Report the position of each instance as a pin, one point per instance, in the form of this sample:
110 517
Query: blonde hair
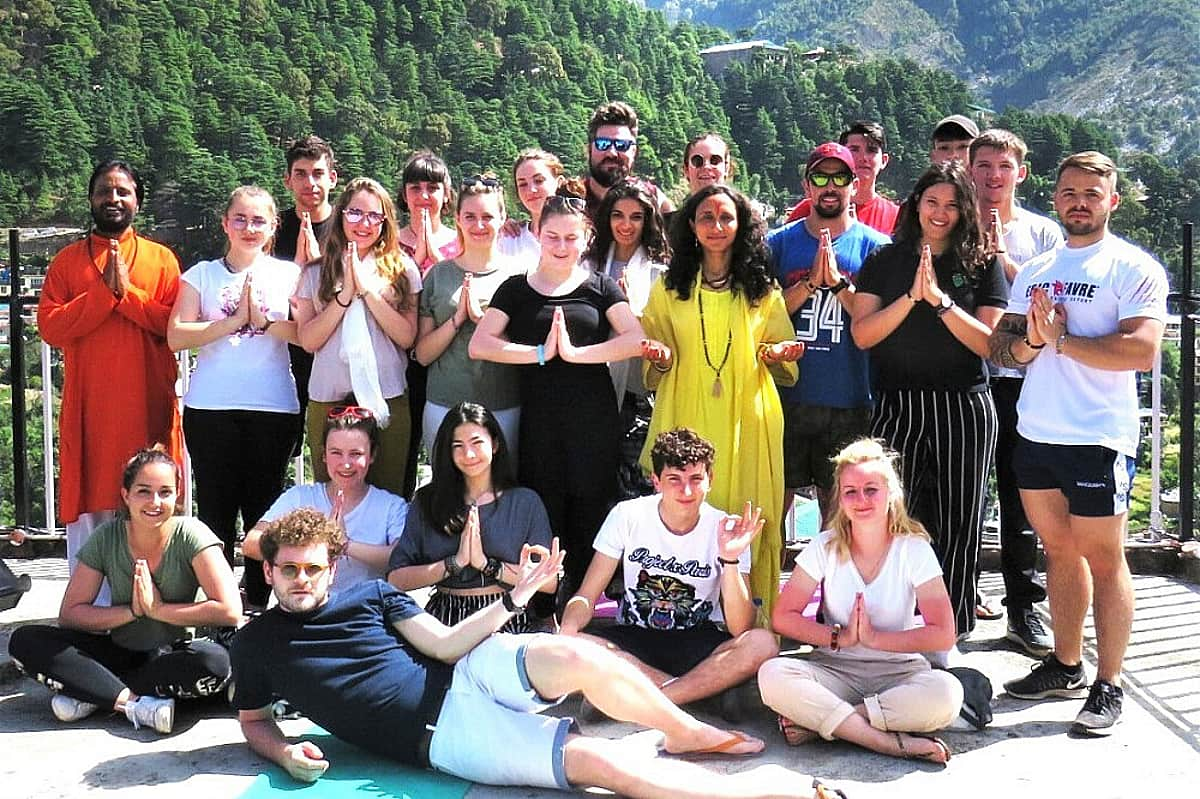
862 451
251 193
474 186
552 161
389 260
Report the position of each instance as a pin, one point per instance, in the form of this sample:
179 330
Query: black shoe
1101 711
1025 629
1049 678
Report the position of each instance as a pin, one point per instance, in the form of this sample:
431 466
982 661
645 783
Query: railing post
48 448
16 344
1189 304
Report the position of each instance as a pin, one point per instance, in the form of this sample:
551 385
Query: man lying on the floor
371 667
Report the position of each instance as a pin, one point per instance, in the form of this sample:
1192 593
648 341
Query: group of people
614 383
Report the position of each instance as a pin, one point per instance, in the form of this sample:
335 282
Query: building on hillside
718 57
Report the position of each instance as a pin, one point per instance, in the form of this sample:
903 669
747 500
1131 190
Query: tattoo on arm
1009 331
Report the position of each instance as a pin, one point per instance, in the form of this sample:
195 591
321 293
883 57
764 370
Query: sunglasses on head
839 179
292 570
353 411
697 160
604 143
356 215
480 180
571 203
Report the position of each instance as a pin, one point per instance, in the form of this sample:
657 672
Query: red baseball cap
830 149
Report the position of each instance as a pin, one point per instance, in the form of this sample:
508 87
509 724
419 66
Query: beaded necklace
716 389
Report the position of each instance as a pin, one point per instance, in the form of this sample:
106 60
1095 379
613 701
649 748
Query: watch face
946 301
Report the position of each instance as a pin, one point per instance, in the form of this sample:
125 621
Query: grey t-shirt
454 377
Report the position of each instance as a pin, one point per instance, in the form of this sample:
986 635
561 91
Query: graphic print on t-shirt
663 602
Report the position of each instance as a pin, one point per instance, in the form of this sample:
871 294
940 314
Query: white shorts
490 730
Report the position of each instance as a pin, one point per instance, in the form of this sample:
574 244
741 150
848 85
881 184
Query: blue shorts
490 730
1094 479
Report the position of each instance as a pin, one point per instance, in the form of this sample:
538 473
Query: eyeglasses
352 411
604 143
697 160
311 570
560 202
839 179
356 215
246 223
480 180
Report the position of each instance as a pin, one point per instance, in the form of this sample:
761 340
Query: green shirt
454 377
107 551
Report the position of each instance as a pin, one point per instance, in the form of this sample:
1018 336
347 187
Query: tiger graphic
663 602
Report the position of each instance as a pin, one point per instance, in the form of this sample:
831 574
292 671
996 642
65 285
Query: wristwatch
945 305
1060 343
839 287
492 569
510 604
452 567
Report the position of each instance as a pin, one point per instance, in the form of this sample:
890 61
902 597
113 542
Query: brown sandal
823 791
941 757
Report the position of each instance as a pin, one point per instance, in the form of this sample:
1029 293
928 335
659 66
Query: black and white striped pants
946 440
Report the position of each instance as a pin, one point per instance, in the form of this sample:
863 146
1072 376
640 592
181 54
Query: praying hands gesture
472 535
468 304
423 233
925 286
116 271
350 289
1045 321
824 273
308 249
145 599
241 314
257 317
858 629
562 338
535 574
736 533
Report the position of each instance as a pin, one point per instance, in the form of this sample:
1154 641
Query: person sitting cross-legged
372 668
686 619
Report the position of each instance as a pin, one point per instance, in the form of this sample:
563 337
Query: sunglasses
560 202
291 571
840 179
697 160
604 143
356 215
480 180
353 411
245 223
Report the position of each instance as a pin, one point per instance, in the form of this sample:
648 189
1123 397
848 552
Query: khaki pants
819 693
387 472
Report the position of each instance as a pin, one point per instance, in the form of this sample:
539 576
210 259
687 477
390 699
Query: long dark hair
966 238
748 268
654 238
442 499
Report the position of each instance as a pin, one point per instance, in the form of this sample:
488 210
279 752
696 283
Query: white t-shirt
524 249
377 519
672 581
1025 237
330 378
891 598
249 370
1063 401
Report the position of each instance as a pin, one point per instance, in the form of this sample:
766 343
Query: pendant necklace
716 389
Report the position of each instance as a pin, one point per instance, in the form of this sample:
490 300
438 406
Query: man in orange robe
105 303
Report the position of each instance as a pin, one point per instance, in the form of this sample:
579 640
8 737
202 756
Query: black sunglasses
480 180
603 143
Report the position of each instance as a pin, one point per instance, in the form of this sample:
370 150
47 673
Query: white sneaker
66 708
153 712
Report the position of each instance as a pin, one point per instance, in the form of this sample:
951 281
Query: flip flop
719 749
985 611
823 791
793 734
940 757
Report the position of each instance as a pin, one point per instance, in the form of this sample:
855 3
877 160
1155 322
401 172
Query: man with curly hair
371 667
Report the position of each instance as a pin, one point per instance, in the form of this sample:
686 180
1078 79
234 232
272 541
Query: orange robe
119 382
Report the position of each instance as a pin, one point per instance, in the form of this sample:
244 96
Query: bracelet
945 309
510 604
664 368
1031 345
839 287
811 288
452 567
492 569
725 562
339 302
541 354
833 637
912 299
456 324
267 326
1060 343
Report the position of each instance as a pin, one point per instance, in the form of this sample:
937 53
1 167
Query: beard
1085 227
829 212
609 172
111 224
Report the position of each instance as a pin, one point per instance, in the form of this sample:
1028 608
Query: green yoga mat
356 773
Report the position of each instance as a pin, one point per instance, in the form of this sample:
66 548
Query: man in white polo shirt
1082 319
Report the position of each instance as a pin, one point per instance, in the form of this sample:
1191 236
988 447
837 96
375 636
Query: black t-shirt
529 315
922 352
346 668
289 231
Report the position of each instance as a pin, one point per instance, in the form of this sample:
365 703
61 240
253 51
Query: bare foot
922 747
794 734
711 740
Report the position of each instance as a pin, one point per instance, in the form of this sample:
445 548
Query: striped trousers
946 440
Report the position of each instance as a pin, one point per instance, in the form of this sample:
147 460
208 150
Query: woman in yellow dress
718 334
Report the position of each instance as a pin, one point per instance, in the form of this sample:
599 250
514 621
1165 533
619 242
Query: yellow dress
745 421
